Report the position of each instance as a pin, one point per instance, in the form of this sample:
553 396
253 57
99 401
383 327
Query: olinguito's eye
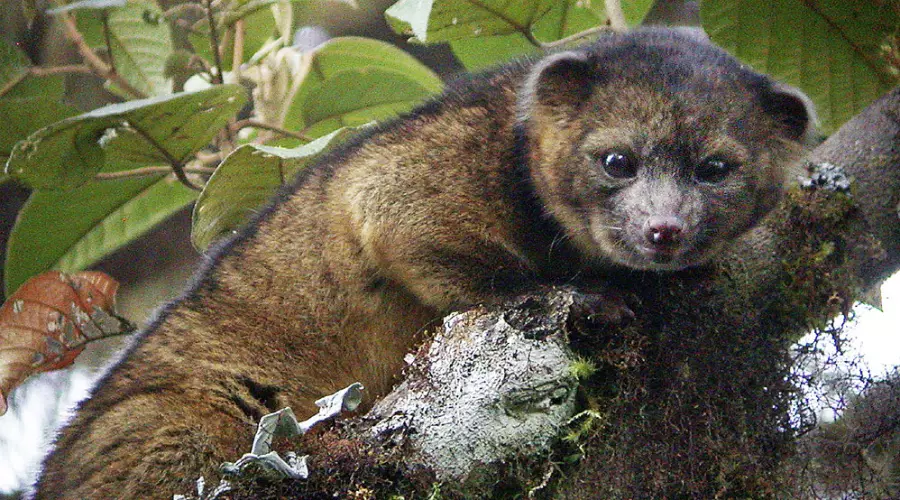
618 165
713 170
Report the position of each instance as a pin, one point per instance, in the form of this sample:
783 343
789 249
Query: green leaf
828 48
14 64
140 42
636 10
352 81
432 21
151 131
70 230
247 178
476 54
24 115
87 5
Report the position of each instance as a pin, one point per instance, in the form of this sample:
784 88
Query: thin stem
576 37
104 18
188 27
207 159
214 42
616 15
238 125
183 8
176 164
56 70
149 171
512 23
238 52
40 71
12 83
97 65
218 76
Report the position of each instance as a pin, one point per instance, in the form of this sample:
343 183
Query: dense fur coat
645 150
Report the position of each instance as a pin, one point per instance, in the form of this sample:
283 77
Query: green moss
583 426
582 368
818 234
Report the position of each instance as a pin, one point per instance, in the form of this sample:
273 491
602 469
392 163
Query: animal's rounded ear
559 80
794 110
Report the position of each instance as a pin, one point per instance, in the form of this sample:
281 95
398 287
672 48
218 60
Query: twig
237 55
214 42
576 37
40 71
56 70
615 15
208 159
238 125
508 20
238 52
104 18
12 83
148 171
93 61
183 8
175 163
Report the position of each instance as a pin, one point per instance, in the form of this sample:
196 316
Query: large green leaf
139 39
152 131
828 48
432 21
476 54
636 10
352 81
483 33
246 179
87 5
24 115
70 230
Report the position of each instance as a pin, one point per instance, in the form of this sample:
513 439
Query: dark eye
618 165
714 170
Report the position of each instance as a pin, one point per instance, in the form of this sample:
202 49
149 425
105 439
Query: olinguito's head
653 149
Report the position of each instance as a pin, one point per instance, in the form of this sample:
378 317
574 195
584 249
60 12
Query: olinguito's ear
793 109
561 80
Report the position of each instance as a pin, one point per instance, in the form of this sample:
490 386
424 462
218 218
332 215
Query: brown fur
484 193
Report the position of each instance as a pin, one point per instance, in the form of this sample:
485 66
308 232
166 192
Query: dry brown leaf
46 323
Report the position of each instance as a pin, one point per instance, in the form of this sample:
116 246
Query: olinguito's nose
663 230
